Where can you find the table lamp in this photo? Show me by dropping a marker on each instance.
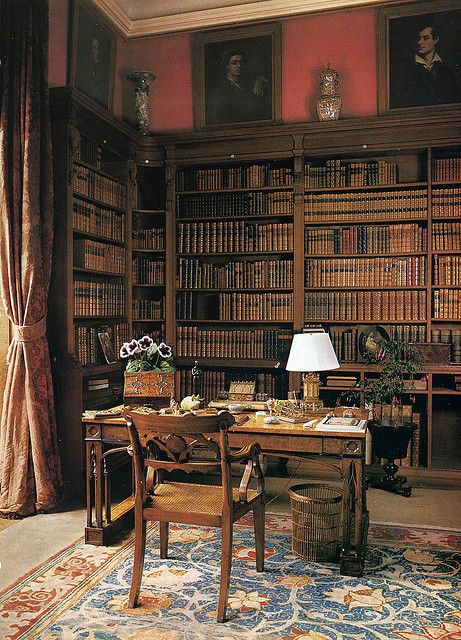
(312, 352)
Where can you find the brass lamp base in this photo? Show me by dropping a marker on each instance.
(311, 383)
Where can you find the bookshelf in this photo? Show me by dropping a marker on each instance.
(234, 239)
(91, 281)
(234, 273)
(380, 249)
(148, 251)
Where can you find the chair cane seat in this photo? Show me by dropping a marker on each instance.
(189, 498)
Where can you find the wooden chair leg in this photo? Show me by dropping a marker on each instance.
(259, 528)
(226, 562)
(138, 562)
(164, 539)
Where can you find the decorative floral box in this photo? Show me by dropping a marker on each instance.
(149, 384)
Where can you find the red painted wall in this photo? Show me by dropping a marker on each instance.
(170, 93)
(346, 39)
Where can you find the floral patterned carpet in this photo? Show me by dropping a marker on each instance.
(411, 590)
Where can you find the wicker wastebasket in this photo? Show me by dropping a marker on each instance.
(316, 521)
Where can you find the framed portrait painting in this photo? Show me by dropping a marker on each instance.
(92, 53)
(370, 339)
(419, 55)
(237, 76)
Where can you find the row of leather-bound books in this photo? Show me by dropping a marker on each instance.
(99, 256)
(243, 274)
(403, 271)
(446, 169)
(447, 270)
(400, 305)
(87, 346)
(345, 173)
(148, 271)
(395, 238)
(99, 298)
(256, 306)
(447, 304)
(94, 185)
(367, 205)
(233, 343)
(446, 202)
(233, 204)
(234, 237)
(234, 177)
(92, 218)
(446, 236)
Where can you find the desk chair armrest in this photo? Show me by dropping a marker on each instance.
(251, 454)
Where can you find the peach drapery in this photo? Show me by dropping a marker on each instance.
(30, 470)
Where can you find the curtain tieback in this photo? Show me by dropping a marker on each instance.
(27, 333)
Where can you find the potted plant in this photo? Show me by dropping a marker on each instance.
(399, 364)
(149, 371)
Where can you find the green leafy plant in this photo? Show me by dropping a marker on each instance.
(146, 355)
(399, 363)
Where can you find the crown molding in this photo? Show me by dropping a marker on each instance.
(208, 18)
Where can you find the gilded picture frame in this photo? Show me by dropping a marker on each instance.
(237, 76)
(419, 56)
(91, 61)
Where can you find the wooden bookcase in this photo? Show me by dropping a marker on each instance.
(234, 273)
(234, 239)
(148, 251)
(91, 279)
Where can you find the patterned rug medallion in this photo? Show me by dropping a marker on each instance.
(411, 590)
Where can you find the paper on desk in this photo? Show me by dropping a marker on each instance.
(331, 423)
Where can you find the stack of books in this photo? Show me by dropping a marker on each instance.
(341, 381)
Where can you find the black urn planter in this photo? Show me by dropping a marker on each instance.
(391, 443)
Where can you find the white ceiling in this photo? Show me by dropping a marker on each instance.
(137, 18)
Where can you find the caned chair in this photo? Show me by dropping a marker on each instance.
(169, 443)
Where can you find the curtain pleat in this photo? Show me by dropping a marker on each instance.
(30, 470)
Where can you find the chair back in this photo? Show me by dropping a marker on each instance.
(166, 443)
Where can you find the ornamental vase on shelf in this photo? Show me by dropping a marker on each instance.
(141, 89)
(329, 101)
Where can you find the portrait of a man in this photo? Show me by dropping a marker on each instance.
(424, 54)
(93, 56)
(236, 76)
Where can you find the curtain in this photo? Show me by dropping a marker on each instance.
(30, 471)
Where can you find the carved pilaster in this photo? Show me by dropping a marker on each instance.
(132, 183)
(74, 151)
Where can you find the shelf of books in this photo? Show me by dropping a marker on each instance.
(380, 242)
(89, 314)
(148, 250)
(234, 274)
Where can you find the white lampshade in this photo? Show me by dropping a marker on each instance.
(312, 352)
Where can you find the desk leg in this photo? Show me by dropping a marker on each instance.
(95, 478)
(355, 518)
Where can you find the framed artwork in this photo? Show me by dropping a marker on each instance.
(237, 76)
(419, 55)
(370, 339)
(92, 53)
(107, 347)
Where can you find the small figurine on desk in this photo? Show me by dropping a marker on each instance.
(271, 405)
(174, 406)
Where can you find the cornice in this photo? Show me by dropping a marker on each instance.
(195, 20)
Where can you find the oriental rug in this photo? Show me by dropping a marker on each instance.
(411, 590)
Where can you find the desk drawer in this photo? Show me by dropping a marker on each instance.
(282, 443)
(335, 446)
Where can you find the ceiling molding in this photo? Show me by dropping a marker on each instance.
(208, 18)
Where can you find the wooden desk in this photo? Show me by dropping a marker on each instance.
(342, 451)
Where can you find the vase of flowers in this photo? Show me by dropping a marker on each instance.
(149, 371)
